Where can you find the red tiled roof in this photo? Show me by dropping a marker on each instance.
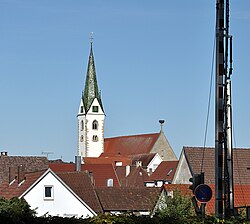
(15, 190)
(101, 172)
(241, 195)
(241, 160)
(128, 199)
(165, 171)
(145, 158)
(183, 188)
(108, 160)
(30, 164)
(130, 145)
(81, 184)
(136, 178)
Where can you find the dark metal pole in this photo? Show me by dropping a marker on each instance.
(219, 110)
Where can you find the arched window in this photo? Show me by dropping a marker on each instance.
(82, 125)
(95, 138)
(95, 125)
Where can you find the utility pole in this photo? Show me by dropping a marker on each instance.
(219, 110)
(223, 121)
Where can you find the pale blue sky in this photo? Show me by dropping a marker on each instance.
(153, 61)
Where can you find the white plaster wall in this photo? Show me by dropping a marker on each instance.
(88, 147)
(154, 163)
(63, 204)
(183, 172)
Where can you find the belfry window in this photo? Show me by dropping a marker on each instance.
(95, 125)
(95, 138)
(82, 125)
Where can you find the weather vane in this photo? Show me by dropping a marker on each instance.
(91, 37)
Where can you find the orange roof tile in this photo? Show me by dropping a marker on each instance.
(81, 184)
(136, 178)
(101, 172)
(241, 159)
(165, 171)
(15, 190)
(241, 195)
(108, 160)
(130, 145)
(128, 199)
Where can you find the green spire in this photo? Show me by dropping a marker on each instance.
(91, 88)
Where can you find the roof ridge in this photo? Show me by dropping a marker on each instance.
(134, 135)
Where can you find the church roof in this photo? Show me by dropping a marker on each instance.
(91, 88)
(130, 145)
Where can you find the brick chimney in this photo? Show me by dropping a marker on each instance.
(12, 174)
(4, 153)
(20, 174)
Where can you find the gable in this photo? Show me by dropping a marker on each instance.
(60, 193)
(183, 172)
(95, 108)
(163, 148)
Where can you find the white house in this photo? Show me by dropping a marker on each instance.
(48, 193)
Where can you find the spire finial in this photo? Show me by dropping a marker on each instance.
(161, 124)
(91, 38)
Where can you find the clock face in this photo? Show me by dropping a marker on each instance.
(81, 138)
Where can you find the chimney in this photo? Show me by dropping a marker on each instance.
(78, 163)
(12, 174)
(138, 163)
(127, 170)
(20, 174)
(4, 153)
(91, 177)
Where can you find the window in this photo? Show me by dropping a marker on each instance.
(110, 182)
(48, 193)
(95, 109)
(95, 125)
(95, 138)
(81, 109)
(82, 125)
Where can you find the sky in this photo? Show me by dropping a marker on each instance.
(153, 61)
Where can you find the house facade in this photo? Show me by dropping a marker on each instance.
(48, 194)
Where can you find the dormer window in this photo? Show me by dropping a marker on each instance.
(110, 182)
(95, 125)
(95, 109)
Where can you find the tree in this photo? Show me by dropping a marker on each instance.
(179, 207)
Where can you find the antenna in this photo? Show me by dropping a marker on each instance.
(47, 153)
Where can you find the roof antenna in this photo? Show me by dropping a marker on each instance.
(161, 123)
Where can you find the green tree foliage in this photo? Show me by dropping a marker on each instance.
(178, 208)
(15, 211)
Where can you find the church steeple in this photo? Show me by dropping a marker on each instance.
(91, 115)
(91, 87)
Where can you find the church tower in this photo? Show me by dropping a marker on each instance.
(91, 115)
